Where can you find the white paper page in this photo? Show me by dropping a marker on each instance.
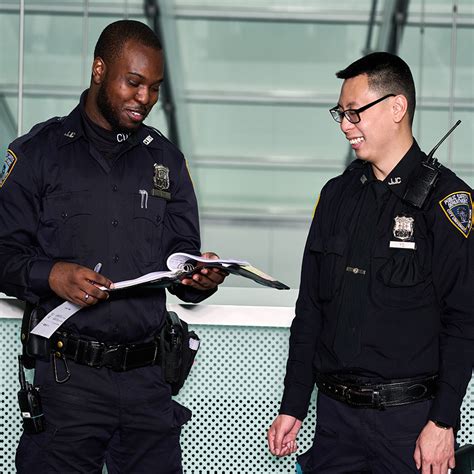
(148, 278)
(177, 261)
(54, 319)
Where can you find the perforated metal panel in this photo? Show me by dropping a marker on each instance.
(10, 413)
(234, 392)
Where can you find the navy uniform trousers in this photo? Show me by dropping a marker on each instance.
(360, 440)
(124, 419)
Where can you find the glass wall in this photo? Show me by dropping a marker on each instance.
(252, 81)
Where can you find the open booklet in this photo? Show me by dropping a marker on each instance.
(182, 265)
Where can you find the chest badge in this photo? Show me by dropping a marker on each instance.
(161, 182)
(403, 231)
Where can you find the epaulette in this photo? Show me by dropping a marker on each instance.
(36, 130)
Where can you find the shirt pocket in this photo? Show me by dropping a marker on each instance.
(68, 218)
(398, 267)
(330, 252)
(148, 223)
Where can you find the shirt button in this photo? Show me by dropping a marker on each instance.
(64, 214)
(116, 258)
(114, 188)
(115, 222)
(158, 218)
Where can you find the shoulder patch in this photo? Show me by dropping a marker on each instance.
(8, 165)
(458, 209)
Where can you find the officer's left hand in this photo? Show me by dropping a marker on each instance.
(434, 452)
(206, 278)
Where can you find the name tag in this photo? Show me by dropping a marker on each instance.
(402, 245)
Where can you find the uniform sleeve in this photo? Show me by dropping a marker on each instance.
(453, 277)
(181, 231)
(305, 328)
(24, 267)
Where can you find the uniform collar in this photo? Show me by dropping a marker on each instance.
(73, 129)
(397, 180)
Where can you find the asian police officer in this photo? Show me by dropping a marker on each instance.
(385, 316)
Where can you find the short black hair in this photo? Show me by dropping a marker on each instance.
(112, 39)
(387, 74)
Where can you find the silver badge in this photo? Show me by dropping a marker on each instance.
(403, 228)
(161, 182)
(403, 231)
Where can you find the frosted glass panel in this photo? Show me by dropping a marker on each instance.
(433, 77)
(263, 56)
(273, 248)
(53, 58)
(319, 4)
(37, 109)
(441, 6)
(247, 130)
(435, 123)
(286, 190)
(464, 80)
(9, 26)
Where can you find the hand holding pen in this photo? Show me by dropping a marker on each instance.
(78, 284)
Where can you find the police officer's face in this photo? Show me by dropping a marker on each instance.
(130, 87)
(373, 136)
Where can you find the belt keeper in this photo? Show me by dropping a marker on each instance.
(125, 357)
(376, 400)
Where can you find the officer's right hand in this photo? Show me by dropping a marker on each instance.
(78, 284)
(282, 435)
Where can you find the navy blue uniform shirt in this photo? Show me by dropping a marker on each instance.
(417, 310)
(61, 200)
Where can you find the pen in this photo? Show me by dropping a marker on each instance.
(98, 267)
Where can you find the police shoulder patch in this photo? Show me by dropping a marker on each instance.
(8, 165)
(458, 209)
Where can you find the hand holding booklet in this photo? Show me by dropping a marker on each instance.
(183, 265)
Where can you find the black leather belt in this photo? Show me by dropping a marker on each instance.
(118, 357)
(381, 395)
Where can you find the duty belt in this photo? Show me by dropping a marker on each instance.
(118, 357)
(379, 395)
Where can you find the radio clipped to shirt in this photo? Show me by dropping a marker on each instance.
(420, 186)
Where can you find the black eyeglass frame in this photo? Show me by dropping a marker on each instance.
(337, 114)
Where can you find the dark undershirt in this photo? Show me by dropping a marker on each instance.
(108, 143)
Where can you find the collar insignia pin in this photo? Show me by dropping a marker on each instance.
(394, 181)
(70, 134)
(148, 140)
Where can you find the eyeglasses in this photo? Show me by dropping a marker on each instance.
(352, 115)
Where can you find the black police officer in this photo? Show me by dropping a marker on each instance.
(384, 320)
(101, 186)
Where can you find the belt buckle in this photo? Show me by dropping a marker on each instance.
(115, 357)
